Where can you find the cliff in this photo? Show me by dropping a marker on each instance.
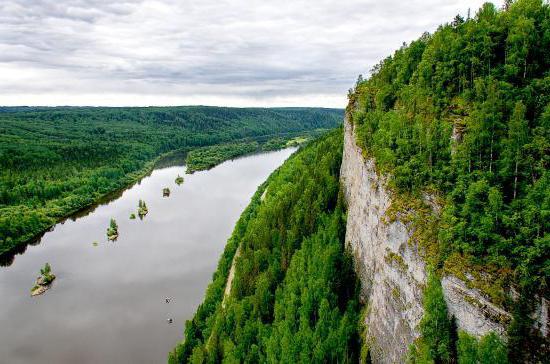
(392, 270)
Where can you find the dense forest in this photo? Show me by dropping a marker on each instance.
(464, 114)
(293, 297)
(55, 161)
(207, 157)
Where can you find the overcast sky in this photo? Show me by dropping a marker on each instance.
(209, 52)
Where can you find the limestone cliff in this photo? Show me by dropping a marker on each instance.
(392, 271)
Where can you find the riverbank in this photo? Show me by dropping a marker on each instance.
(10, 247)
(56, 161)
(173, 253)
(79, 205)
(289, 241)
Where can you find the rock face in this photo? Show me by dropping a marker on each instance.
(475, 314)
(393, 273)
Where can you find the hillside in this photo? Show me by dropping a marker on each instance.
(293, 297)
(55, 161)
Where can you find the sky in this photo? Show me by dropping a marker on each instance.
(206, 52)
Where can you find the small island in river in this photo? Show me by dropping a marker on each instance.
(142, 209)
(112, 231)
(179, 180)
(165, 192)
(43, 281)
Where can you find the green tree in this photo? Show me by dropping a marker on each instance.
(517, 138)
(435, 325)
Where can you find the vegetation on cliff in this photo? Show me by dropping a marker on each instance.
(55, 161)
(294, 294)
(465, 112)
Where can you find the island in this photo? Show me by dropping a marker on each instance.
(43, 281)
(132, 216)
(179, 180)
(142, 209)
(165, 192)
(112, 231)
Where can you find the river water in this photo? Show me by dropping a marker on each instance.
(107, 304)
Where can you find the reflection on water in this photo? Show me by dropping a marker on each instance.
(172, 159)
(108, 304)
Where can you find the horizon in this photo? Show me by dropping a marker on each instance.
(166, 106)
(161, 53)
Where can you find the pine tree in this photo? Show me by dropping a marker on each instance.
(517, 137)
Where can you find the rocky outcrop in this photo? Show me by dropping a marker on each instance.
(392, 271)
(43, 283)
(230, 276)
(474, 313)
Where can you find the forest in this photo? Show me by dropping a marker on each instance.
(56, 161)
(464, 114)
(207, 157)
(293, 297)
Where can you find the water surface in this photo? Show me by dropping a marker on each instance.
(107, 304)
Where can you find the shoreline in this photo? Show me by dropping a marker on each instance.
(7, 256)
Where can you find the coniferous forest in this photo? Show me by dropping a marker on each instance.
(55, 161)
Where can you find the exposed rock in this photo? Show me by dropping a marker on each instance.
(457, 134)
(112, 237)
(542, 316)
(391, 272)
(230, 276)
(474, 313)
(40, 281)
(38, 290)
(43, 282)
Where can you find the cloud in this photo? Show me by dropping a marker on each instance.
(166, 52)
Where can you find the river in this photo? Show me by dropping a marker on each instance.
(107, 304)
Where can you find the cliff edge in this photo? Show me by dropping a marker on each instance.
(392, 271)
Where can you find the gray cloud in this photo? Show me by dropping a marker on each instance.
(98, 52)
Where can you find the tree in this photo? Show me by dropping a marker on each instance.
(435, 325)
(517, 137)
(519, 41)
